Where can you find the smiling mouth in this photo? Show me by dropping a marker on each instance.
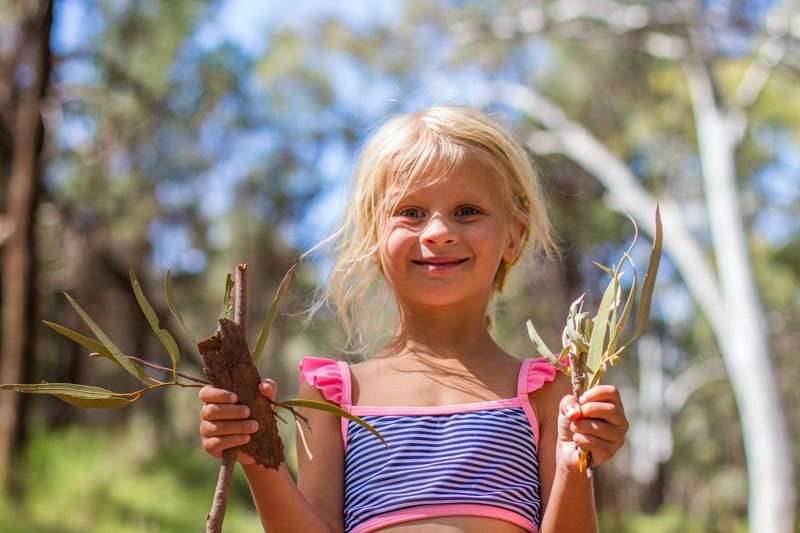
(439, 263)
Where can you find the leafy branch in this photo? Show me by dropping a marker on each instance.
(590, 345)
(224, 351)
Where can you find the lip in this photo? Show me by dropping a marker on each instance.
(439, 263)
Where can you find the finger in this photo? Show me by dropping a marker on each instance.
(570, 407)
(209, 394)
(216, 445)
(595, 429)
(224, 411)
(601, 393)
(607, 412)
(211, 429)
(268, 388)
(600, 449)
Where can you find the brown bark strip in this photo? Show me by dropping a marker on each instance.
(229, 366)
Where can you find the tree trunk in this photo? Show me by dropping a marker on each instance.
(18, 259)
(743, 338)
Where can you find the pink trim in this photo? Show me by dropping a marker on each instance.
(347, 398)
(525, 401)
(435, 511)
(367, 410)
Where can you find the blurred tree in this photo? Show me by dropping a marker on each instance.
(25, 66)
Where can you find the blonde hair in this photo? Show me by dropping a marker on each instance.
(409, 151)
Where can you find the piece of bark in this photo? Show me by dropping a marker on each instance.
(228, 365)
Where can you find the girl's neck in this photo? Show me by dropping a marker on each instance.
(443, 335)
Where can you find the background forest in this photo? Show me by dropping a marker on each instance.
(190, 135)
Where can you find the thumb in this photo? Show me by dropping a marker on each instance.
(268, 388)
(570, 407)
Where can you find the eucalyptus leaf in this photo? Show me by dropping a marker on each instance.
(163, 335)
(78, 395)
(623, 319)
(91, 344)
(263, 334)
(599, 334)
(333, 409)
(648, 286)
(120, 358)
(541, 347)
(173, 305)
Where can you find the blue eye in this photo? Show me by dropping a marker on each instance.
(468, 211)
(410, 212)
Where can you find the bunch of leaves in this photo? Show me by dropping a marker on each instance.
(89, 396)
(591, 344)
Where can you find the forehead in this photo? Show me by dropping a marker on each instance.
(469, 178)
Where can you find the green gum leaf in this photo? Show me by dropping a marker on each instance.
(601, 324)
(623, 319)
(263, 334)
(163, 335)
(120, 358)
(78, 395)
(333, 409)
(649, 283)
(541, 347)
(91, 344)
(173, 306)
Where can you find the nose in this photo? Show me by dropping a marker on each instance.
(438, 231)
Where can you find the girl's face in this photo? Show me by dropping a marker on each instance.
(444, 242)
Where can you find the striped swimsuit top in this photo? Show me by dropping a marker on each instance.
(476, 459)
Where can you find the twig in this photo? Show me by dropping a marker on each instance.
(228, 466)
(160, 368)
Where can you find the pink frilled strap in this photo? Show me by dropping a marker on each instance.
(332, 378)
(532, 376)
(325, 375)
(535, 373)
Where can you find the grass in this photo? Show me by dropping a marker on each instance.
(94, 480)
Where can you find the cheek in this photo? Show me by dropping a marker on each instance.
(395, 242)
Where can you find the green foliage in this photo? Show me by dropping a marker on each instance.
(82, 480)
(591, 344)
(670, 520)
(597, 342)
(98, 397)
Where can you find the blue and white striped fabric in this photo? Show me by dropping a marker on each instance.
(485, 456)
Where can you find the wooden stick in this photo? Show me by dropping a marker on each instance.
(228, 466)
(229, 365)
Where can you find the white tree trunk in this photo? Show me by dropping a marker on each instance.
(743, 337)
(727, 298)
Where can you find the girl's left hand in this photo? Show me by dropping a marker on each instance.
(596, 422)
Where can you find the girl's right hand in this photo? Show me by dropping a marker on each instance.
(226, 424)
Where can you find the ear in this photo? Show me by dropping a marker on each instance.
(517, 234)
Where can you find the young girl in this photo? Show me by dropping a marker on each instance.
(444, 202)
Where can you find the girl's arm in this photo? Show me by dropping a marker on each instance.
(281, 505)
(597, 423)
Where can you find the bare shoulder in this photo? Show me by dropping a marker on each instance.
(545, 400)
(371, 379)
